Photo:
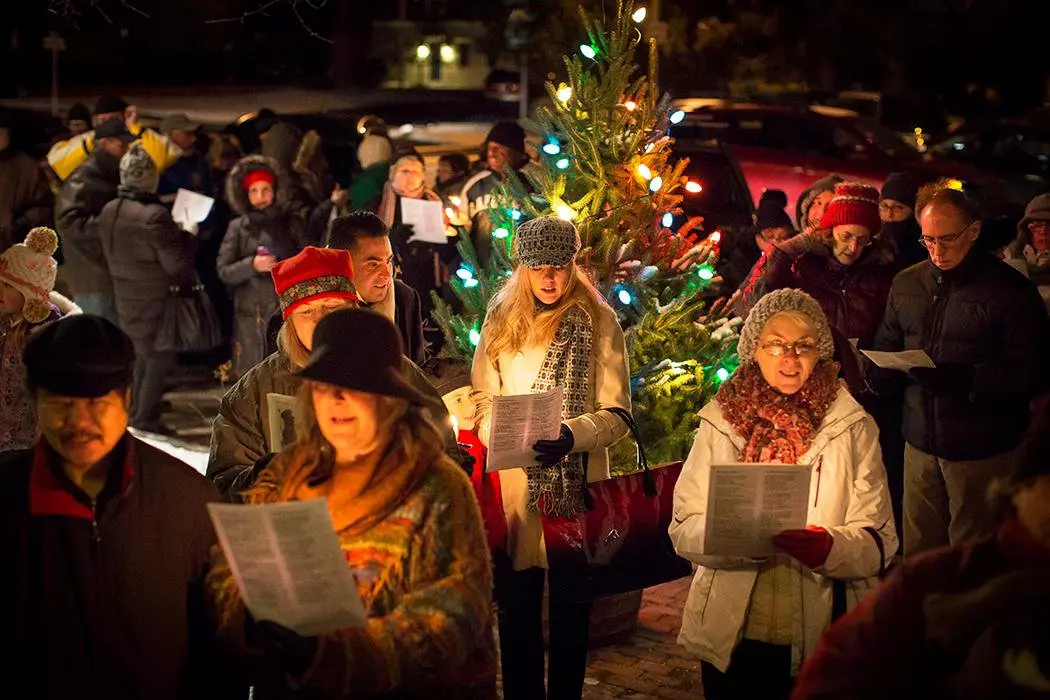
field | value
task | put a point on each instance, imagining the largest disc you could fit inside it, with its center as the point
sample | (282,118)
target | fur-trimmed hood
(237,196)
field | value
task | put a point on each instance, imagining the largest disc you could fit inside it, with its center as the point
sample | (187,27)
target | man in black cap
(78,119)
(77,207)
(105,539)
(504,151)
(900,225)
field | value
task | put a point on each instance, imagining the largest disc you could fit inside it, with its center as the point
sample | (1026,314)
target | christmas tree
(606,164)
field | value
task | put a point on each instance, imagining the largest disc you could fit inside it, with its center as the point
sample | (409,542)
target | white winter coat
(848,493)
(593,432)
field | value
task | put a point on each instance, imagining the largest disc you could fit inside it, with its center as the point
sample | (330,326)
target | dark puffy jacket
(983,314)
(853,297)
(280,232)
(147,253)
(25,199)
(77,207)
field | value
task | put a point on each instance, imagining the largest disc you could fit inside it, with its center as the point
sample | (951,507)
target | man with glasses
(985,327)
(1030,252)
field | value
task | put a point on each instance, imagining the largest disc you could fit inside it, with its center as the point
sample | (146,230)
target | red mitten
(810,546)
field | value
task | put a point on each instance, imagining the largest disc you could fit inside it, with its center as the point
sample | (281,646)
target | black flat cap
(83,356)
(113,129)
(108,104)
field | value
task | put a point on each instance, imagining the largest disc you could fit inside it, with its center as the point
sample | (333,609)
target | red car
(788,148)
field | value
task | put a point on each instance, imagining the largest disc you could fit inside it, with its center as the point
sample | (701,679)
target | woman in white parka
(752,622)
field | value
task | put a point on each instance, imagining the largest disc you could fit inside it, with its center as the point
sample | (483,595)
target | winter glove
(292,651)
(466,460)
(945,379)
(403,232)
(550,452)
(810,546)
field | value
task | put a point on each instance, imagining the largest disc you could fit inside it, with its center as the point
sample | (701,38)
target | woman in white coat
(548,327)
(752,622)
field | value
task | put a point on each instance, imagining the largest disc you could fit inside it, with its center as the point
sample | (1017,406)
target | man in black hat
(77,208)
(78,119)
(106,540)
(504,151)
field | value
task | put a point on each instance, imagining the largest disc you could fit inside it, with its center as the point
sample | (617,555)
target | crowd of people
(925,558)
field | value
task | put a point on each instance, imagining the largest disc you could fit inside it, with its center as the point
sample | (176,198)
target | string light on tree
(722,374)
(564,93)
(515,214)
(564,211)
(588,51)
(656,183)
(630,105)
(705,273)
(551,148)
(562,164)
(639,15)
(464,273)
(693,187)
(500,233)
(624,296)
(677,116)
(471,283)
(715,237)
(644,172)
(667,220)
(474,336)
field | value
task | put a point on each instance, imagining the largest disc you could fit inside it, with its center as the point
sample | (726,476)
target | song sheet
(289,566)
(426,218)
(517,423)
(749,504)
(903,361)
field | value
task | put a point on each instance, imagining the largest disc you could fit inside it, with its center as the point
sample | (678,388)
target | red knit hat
(315,273)
(854,204)
(258,175)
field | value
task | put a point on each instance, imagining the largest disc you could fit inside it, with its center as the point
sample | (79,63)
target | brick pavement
(650,664)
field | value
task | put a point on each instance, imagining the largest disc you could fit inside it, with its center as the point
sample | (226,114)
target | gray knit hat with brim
(546,241)
(138,171)
(784,300)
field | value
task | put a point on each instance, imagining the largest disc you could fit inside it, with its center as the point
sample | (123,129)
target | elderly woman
(408,524)
(752,622)
(549,327)
(310,286)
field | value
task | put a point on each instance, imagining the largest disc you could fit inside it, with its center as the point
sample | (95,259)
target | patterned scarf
(777,427)
(558,490)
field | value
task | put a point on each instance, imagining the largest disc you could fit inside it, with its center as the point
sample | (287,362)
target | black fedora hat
(360,350)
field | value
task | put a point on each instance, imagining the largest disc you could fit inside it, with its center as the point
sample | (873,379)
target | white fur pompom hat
(29,268)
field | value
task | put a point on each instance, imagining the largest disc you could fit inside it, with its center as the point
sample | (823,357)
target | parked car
(915,118)
(724,203)
(788,148)
(1017,150)
(503,85)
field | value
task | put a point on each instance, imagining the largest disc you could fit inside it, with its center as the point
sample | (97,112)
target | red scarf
(777,427)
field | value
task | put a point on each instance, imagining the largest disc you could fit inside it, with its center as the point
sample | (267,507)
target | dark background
(947,47)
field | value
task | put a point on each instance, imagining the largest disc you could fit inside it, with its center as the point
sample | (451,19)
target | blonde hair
(291,346)
(513,321)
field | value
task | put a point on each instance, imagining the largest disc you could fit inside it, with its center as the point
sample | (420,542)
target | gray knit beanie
(790,300)
(547,240)
(138,171)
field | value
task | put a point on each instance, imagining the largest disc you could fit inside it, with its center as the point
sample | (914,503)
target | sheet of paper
(289,566)
(191,207)
(281,416)
(517,423)
(902,361)
(749,504)
(428,226)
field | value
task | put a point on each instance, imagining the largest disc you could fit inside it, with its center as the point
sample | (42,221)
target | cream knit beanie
(29,268)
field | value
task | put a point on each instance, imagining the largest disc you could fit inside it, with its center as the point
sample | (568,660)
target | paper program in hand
(289,566)
(191,207)
(517,423)
(749,504)
(426,218)
(902,361)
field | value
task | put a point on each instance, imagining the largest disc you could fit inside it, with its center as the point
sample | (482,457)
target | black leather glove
(402,233)
(550,452)
(294,652)
(466,460)
(945,379)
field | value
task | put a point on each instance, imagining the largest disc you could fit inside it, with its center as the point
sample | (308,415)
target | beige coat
(848,497)
(593,432)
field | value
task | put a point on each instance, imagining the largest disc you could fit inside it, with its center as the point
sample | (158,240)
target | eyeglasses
(848,238)
(944,241)
(801,348)
(1039,226)
(887,208)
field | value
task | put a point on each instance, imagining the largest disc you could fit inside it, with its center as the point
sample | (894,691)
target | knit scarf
(777,427)
(558,490)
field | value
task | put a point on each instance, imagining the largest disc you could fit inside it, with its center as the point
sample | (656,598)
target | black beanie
(508,134)
(771,212)
(901,187)
(82,356)
(108,104)
(79,112)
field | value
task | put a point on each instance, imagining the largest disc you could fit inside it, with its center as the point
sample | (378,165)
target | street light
(422,52)
(448,54)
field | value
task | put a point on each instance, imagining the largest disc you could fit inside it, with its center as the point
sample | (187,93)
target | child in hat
(27,276)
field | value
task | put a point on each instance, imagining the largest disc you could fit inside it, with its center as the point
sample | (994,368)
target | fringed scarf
(558,490)
(777,427)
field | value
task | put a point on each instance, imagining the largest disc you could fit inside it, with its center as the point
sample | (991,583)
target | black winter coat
(106,600)
(77,207)
(147,254)
(983,314)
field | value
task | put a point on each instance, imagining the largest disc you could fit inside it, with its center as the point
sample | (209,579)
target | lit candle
(455,425)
